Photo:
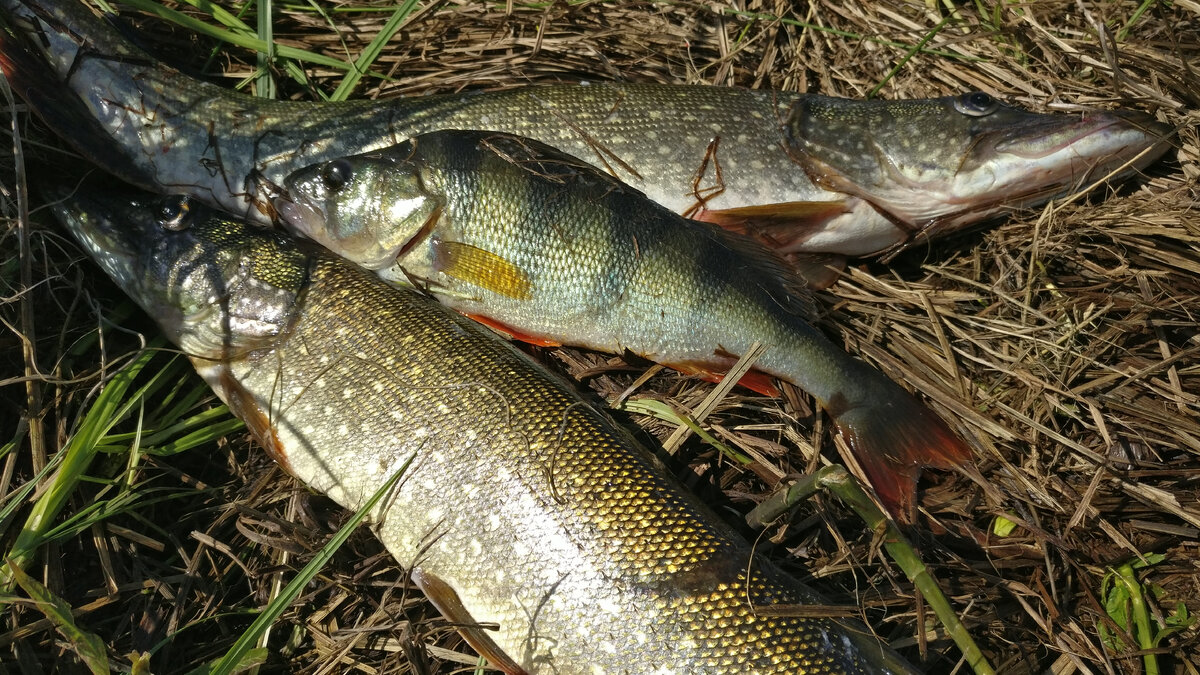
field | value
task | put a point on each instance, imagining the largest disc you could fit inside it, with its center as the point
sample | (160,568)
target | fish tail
(893,441)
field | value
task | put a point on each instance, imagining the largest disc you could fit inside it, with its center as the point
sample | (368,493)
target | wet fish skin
(526,505)
(230,149)
(936,165)
(526,238)
(166,131)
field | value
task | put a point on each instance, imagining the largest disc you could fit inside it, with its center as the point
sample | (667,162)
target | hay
(1073,360)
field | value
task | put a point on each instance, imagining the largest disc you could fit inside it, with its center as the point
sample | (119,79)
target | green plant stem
(837,480)
(1141,616)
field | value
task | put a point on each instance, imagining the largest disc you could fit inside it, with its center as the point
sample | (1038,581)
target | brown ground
(1062,343)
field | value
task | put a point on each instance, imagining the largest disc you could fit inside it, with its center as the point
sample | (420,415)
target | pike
(808,175)
(554,540)
(553,251)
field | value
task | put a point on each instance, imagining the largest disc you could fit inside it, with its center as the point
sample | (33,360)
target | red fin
(776,225)
(448,603)
(244,407)
(754,380)
(502,327)
(893,441)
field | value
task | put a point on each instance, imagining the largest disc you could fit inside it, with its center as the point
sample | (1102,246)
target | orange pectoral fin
(777,224)
(450,605)
(513,333)
(482,268)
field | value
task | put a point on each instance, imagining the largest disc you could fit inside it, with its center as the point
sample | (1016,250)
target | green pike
(525,508)
(805,174)
(551,250)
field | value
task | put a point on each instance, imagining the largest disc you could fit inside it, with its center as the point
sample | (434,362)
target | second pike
(808,175)
(553,251)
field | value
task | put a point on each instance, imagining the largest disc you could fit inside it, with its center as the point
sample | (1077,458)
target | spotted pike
(525,508)
(805,174)
(552,250)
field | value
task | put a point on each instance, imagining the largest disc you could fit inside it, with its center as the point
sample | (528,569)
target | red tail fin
(894,441)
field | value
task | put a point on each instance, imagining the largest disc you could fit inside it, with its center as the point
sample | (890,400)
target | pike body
(550,249)
(525,506)
(804,174)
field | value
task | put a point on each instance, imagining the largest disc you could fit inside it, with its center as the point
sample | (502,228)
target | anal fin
(450,605)
(754,380)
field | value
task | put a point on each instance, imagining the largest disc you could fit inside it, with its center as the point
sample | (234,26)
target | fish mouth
(101,227)
(1007,170)
(300,216)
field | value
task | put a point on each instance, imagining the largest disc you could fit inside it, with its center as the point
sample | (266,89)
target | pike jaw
(218,288)
(934,165)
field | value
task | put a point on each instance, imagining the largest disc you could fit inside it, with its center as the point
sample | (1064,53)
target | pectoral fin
(450,605)
(482,268)
(777,225)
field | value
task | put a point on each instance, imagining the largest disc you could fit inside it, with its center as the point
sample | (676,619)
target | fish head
(365,208)
(936,164)
(218,287)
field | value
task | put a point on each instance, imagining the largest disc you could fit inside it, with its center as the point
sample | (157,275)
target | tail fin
(893,440)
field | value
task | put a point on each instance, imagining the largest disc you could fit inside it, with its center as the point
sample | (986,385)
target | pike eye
(175,213)
(976,104)
(336,174)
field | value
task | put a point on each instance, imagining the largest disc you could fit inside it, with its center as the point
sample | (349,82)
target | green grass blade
(246,642)
(77,457)
(368,56)
(664,412)
(264,85)
(1137,14)
(240,40)
(88,646)
(749,14)
(911,53)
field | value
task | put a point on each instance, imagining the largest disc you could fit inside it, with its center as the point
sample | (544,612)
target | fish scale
(546,248)
(525,507)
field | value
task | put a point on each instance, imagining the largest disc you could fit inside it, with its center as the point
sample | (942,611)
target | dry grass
(1063,343)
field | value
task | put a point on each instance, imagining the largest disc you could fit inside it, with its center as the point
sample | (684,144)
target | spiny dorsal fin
(797,297)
